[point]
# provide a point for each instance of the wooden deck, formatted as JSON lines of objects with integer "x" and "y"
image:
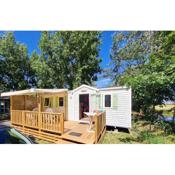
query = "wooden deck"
{"x": 78, "y": 132}
{"x": 56, "y": 130}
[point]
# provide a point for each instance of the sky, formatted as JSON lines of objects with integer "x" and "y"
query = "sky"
{"x": 31, "y": 40}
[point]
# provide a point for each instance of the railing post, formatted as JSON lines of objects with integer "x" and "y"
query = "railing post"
{"x": 39, "y": 114}
{"x": 11, "y": 117}
{"x": 104, "y": 119}
{"x": 96, "y": 128}
{"x": 11, "y": 108}
{"x": 23, "y": 119}
{"x": 62, "y": 122}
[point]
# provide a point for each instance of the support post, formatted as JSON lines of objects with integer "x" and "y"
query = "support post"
{"x": 62, "y": 123}
{"x": 39, "y": 113}
{"x": 23, "y": 119}
{"x": 96, "y": 129}
{"x": 11, "y": 108}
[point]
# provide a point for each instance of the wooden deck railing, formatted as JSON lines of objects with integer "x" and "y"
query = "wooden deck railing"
{"x": 53, "y": 122}
{"x": 100, "y": 125}
{"x": 30, "y": 119}
{"x": 16, "y": 117}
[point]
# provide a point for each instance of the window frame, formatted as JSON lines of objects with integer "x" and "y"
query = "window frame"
{"x": 2, "y": 106}
{"x": 59, "y": 101}
{"x": 48, "y": 102}
{"x": 110, "y": 101}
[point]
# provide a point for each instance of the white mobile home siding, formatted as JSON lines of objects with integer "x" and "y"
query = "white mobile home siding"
{"x": 70, "y": 106}
{"x": 73, "y": 104}
{"x": 120, "y": 115}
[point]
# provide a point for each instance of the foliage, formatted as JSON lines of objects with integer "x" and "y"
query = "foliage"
{"x": 146, "y": 62}
{"x": 129, "y": 51}
{"x": 68, "y": 59}
{"x": 167, "y": 127}
{"x": 4, "y": 117}
{"x": 15, "y": 71}
{"x": 41, "y": 71}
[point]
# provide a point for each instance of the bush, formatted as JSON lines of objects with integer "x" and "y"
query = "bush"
{"x": 144, "y": 135}
{"x": 4, "y": 117}
{"x": 168, "y": 127}
{"x": 171, "y": 138}
{"x": 149, "y": 138}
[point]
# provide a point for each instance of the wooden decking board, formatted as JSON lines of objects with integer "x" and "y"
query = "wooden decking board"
{"x": 85, "y": 137}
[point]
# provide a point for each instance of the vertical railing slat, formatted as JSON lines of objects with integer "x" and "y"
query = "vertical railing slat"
{"x": 100, "y": 124}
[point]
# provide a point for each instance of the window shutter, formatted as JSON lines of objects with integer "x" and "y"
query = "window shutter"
{"x": 114, "y": 100}
{"x": 56, "y": 102}
{"x": 98, "y": 101}
{"x": 93, "y": 102}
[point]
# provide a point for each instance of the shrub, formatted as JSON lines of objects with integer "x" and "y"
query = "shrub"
{"x": 149, "y": 138}
{"x": 168, "y": 127}
{"x": 4, "y": 117}
{"x": 144, "y": 135}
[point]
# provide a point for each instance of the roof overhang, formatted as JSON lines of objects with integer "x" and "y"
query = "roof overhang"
{"x": 33, "y": 91}
{"x": 84, "y": 86}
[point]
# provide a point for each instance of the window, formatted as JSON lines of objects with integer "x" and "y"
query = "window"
{"x": 61, "y": 101}
{"x": 107, "y": 100}
{"x": 46, "y": 102}
{"x": 2, "y": 107}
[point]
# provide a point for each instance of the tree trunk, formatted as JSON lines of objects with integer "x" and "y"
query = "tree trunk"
{"x": 150, "y": 128}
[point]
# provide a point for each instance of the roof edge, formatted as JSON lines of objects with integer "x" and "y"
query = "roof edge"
{"x": 84, "y": 85}
{"x": 32, "y": 91}
{"x": 114, "y": 88}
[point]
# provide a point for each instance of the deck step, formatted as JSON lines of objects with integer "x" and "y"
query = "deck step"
{"x": 61, "y": 141}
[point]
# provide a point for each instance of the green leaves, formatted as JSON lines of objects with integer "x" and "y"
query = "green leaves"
{"x": 145, "y": 61}
{"x": 15, "y": 71}
{"x": 69, "y": 58}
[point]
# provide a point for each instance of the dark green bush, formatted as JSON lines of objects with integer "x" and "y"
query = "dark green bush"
{"x": 4, "y": 117}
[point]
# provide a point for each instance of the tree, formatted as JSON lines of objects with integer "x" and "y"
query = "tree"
{"x": 41, "y": 71}
{"x": 148, "y": 67}
{"x": 130, "y": 50}
{"x": 71, "y": 58}
{"x": 15, "y": 72}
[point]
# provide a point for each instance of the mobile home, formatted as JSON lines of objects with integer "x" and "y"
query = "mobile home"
{"x": 61, "y": 116}
{"x": 115, "y": 101}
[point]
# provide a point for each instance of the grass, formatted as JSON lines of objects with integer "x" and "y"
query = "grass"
{"x": 139, "y": 134}
{"x": 40, "y": 141}
{"x": 167, "y": 109}
{"x": 167, "y": 113}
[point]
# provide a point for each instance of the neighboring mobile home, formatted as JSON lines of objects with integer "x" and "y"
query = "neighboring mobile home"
{"x": 115, "y": 101}
{"x": 4, "y": 106}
